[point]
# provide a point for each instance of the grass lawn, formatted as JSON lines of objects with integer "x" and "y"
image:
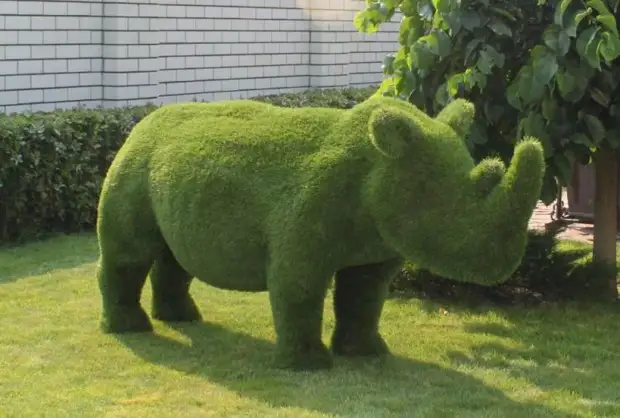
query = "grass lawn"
{"x": 549, "y": 361}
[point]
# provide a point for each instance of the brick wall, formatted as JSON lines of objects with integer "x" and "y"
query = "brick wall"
{"x": 61, "y": 54}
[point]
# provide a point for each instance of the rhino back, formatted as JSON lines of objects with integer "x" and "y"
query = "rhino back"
{"x": 248, "y": 143}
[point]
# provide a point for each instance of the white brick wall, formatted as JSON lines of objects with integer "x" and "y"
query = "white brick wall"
{"x": 62, "y": 54}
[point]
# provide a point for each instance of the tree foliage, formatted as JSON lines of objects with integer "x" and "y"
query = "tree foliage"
{"x": 547, "y": 69}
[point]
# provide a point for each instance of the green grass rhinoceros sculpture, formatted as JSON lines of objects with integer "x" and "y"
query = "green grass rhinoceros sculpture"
{"x": 248, "y": 196}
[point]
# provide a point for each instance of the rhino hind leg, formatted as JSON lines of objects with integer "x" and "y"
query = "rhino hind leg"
{"x": 120, "y": 283}
{"x": 359, "y": 295}
{"x": 129, "y": 241}
{"x": 172, "y": 301}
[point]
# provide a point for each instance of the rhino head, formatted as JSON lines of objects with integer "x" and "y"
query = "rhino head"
{"x": 434, "y": 206}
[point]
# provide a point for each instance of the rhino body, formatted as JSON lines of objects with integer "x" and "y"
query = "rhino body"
{"x": 248, "y": 196}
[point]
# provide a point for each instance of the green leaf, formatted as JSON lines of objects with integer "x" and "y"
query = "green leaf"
{"x": 470, "y": 20}
{"x": 609, "y": 47}
{"x": 599, "y": 6}
{"x": 445, "y": 6}
{"x": 405, "y": 82}
{"x": 581, "y": 139}
{"x": 595, "y": 127}
{"x": 439, "y": 21}
{"x": 544, "y": 64}
{"x": 563, "y": 167}
{"x": 557, "y": 40}
{"x": 442, "y": 97}
{"x": 414, "y": 35}
{"x": 485, "y": 63}
{"x": 512, "y": 95}
{"x": 587, "y": 46}
{"x": 421, "y": 55}
{"x": 386, "y": 88}
{"x": 453, "y": 19}
{"x": 489, "y": 58}
{"x": 443, "y": 46}
{"x": 409, "y": 8}
{"x": 560, "y": 12}
{"x": 454, "y": 83}
{"x": 572, "y": 82}
{"x": 574, "y": 20}
{"x": 584, "y": 38}
{"x": 364, "y": 23}
{"x": 470, "y": 48}
{"x": 498, "y": 58}
{"x": 503, "y": 12}
{"x": 600, "y": 97}
{"x": 388, "y": 15}
{"x": 401, "y": 60}
{"x": 479, "y": 79}
{"x": 534, "y": 125}
{"x": 549, "y": 190}
{"x": 592, "y": 53}
{"x": 391, "y": 4}
{"x": 403, "y": 32}
{"x": 549, "y": 107}
{"x": 411, "y": 29}
{"x": 609, "y": 22}
{"x": 425, "y": 10}
{"x": 530, "y": 88}
{"x": 499, "y": 27}
{"x": 469, "y": 78}
{"x": 388, "y": 64}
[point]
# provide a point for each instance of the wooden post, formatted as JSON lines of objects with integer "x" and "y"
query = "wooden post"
{"x": 606, "y": 213}
{"x": 559, "y": 205}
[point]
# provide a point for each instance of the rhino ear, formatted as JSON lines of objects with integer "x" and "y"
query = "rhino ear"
{"x": 459, "y": 115}
{"x": 392, "y": 131}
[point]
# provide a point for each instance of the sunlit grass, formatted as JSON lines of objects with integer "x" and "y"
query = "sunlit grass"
{"x": 556, "y": 361}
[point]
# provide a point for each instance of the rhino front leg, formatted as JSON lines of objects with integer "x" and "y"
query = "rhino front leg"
{"x": 297, "y": 295}
{"x": 358, "y": 302}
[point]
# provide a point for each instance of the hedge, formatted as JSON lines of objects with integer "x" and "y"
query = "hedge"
{"x": 52, "y": 164}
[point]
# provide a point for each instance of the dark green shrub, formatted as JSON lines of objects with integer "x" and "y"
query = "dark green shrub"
{"x": 51, "y": 167}
{"x": 551, "y": 270}
{"x": 52, "y": 164}
{"x": 335, "y": 98}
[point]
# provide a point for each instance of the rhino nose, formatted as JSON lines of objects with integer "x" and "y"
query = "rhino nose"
{"x": 519, "y": 189}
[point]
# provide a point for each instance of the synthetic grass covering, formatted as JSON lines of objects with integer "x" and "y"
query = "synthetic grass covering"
{"x": 249, "y": 196}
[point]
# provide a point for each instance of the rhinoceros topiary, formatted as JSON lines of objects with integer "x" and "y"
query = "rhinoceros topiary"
{"x": 248, "y": 196}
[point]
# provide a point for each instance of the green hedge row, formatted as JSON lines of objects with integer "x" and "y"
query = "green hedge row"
{"x": 52, "y": 164}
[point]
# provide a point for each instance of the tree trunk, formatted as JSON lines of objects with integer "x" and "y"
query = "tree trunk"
{"x": 605, "y": 214}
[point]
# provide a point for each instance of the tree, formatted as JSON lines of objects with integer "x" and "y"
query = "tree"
{"x": 547, "y": 69}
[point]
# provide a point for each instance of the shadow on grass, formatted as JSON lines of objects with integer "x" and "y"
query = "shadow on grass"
{"x": 394, "y": 386}
{"x": 571, "y": 348}
{"x": 45, "y": 256}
